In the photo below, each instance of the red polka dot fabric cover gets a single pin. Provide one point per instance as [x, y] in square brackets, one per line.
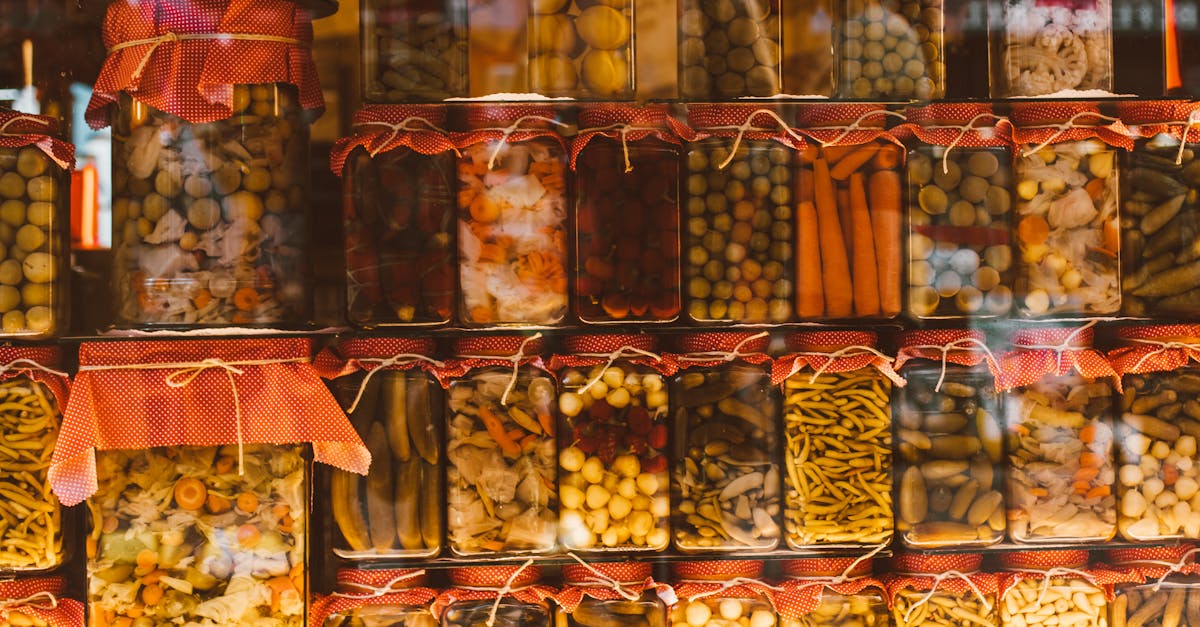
[360, 588]
[1035, 564]
[363, 355]
[523, 123]
[18, 130]
[416, 127]
[194, 78]
[1038, 122]
[710, 579]
[919, 571]
[15, 364]
[493, 350]
[963, 344]
[480, 583]
[594, 350]
[579, 582]
[633, 124]
[809, 580]
[696, 348]
[1148, 562]
[979, 126]
[1147, 118]
[817, 350]
[723, 120]
[43, 599]
[1023, 366]
[830, 123]
[1156, 348]
[196, 404]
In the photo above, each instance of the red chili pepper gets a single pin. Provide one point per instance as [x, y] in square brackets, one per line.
[639, 421]
[636, 444]
[658, 437]
[656, 463]
[607, 450]
[601, 410]
[976, 236]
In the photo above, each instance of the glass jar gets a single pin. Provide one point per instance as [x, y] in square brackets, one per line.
[738, 248]
[599, 604]
[396, 510]
[581, 49]
[959, 216]
[726, 443]
[369, 597]
[525, 606]
[843, 502]
[948, 416]
[500, 449]
[614, 479]
[807, 62]
[1026, 597]
[512, 218]
[627, 217]
[35, 227]
[413, 50]
[398, 205]
[729, 50]
[922, 595]
[831, 580]
[1043, 48]
[705, 600]
[848, 216]
[1160, 187]
[1059, 445]
[496, 38]
[890, 50]
[210, 221]
[177, 534]
[1169, 596]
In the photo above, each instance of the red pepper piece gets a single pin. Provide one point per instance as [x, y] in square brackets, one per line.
[639, 420]
[658, 437]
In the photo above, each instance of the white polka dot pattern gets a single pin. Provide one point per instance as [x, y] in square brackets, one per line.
[410, 592]
[602, 116]
[67, 613]
[523, 588]
[359, 355]
[1104, 578]
[714, 120]
[18, 130]
[1086, 125]
[1025, 365]
[928, 124]
[918, 572]
[580, 581]
[963, 354]
[827, 344]
[371, 132]
[607, 344]
[1177, 346]
[491, 121]
[1147, 118]
[825, 122]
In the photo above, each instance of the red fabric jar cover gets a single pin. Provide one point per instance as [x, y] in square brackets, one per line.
[634, 579]
[848, 124]
[1054, 351]
[378, 353]
[741, 121]
[360, 588]
[136, 395]
[593, 350]
[18, 130]
[482, 583]
[36, 363]
[1065, 564]
[384, 128]
[809, 578]
[1155, 348]
[509, 123]
[833, 351]
[721, 579]
[184, 56]
[708, 349]
[494, 350]
[953, 573]
[965, 124]
[40, 598]
[1057, 122]
[1156, 562]
[625, 123]
[956, 346]
[1147, 118]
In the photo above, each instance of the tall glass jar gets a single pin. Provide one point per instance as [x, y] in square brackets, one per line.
[949, 415]
[413, 50]
[398, 200]
[729, 50]
[506, 596]
[1066, 217]
[512, 217]
[581, 49]
[738, 248]
[386, 596]
[603, 594]
[1058, 411]
[838, 458]
[1164, 595]
[500, 449]
[1043, 48]
[496, 39]
[707, 600]
[627, 172]
[1160, 188]
[34, 226]
[831, 592]
[1044, 583]
[890, 50]
[397, 408]
[725, 488]
[613, 483]
[808, 38]
[959, 212]
[849, 215]
[941, 588]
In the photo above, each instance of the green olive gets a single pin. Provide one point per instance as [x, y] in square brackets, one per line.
[973, 188]
[947, 174]
[962, 213]
[932, 200]
[997, 201]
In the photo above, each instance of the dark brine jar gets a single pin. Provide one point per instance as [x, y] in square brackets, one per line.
[210, 163]
[413, 50]
[366, 597]
[35, 181]
[889, 49]
[512, 217]
[729, 49]
[505, 596]
[581, 48]
[737, 264]
[604, 594]
[626, 163]
[948, 415]
[959, 169]
[1160, 210]
[398, 194]
[1165, 590]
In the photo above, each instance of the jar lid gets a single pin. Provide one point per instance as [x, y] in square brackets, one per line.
[1173, 554]
[499, 345]
[396, 114]
[724, 341]
[829, 340]
[940, 337]
[1044, 560]
[933, 564]
[1042, 338]
[948, 113]
[386, 347]
[818, 115]
[599, 115]
[505, 114]
[609, 342]
[1184, 333]
[1040, 113]
[718, 569]
[827, 567]
[759, 116]
[390, 578]
[495, 576]
[620, 572]
[1156, 111]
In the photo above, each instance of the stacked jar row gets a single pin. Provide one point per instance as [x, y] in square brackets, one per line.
[618, 447]
[888, 50]
[739, 218]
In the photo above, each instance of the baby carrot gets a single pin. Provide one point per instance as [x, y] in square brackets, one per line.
[810, 299]
[866, 283]
[835, 268]
[496, 429]
[843, 205]
[888, 157]
[833, 154]
[883, 188]
[853, 161]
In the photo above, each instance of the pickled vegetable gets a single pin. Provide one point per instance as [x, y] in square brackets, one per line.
[729, 49]
[29, 423]
[1174, 603]
[414, 50]
[508, 614]
[1047, 49]
[891, 50]
[851, 610]
[1075, 602]
[617, 613]
[382, 616]
[723, 612]
[942, 607]
[581, 48]
[33, 246]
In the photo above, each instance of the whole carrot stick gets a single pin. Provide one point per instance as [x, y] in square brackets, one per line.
[884, 190]
[843, 207]
[853, 161]
[835, 268]
[866, 282]
[810, 298]
[804, 185]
